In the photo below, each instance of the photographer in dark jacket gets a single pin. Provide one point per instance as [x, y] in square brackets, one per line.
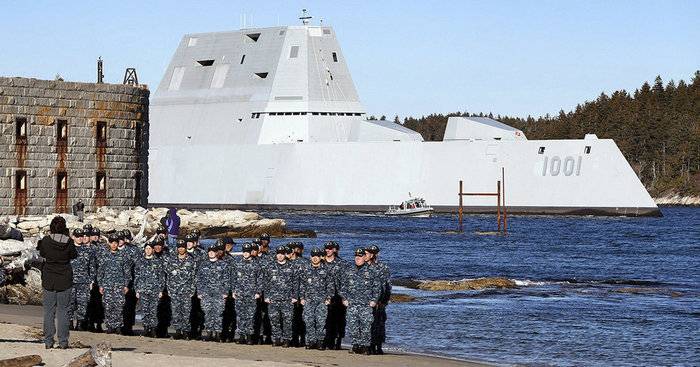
[57, 250]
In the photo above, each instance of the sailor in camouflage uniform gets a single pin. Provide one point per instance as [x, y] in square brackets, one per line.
[148, 284]
[335, 322]
[131, 254]
[383, 276]
[83, 278]
[280, 295]
[196, 312]
[315, 292]
[246, 291]
[360, 291]
[228, 328]
[295, 257]
[113, 278]
[180, 271]
[263, 329]
[212, 290]
[95, 311]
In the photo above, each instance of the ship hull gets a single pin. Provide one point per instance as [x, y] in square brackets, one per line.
[570, 177]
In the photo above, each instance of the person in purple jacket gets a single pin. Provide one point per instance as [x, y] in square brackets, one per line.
[172, 223]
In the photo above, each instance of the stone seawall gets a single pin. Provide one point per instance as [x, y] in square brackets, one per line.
[63, 141]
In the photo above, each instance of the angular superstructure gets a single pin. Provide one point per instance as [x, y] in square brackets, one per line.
[270, 118]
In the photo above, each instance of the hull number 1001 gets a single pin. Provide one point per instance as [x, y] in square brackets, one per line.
[555, 166]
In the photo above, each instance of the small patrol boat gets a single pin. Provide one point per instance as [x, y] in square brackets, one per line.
[413, 207]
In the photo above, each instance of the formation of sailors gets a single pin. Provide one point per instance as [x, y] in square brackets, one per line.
[260, 297]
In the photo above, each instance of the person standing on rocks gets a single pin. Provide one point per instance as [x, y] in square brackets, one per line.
[79, 210]
[113, 278]
[9, 233]
[56, 250]
[83, 279]
[172, 223]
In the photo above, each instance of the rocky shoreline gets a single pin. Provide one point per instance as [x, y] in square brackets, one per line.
[680, 200]
[143, 222]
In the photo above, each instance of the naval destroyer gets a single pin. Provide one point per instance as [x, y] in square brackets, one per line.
[269, 118]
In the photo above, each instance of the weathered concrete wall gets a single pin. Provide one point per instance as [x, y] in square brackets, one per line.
[122, 156]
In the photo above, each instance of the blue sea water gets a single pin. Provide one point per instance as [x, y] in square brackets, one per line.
[595, 291]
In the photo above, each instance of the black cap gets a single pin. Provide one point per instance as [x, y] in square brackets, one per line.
[256, 247]
[191, 237]
[332, 245]
[158, 242]
[78, 232]
[95, 232]
[300, 245]
[213, 248]
[87, 227]
[256, 241]
[149, 244]
[113, 238]
[292, 245]
[372, 249]
[161, 230]
[126, 234]
[282, 250]
[196, 232]
[359, 252]
[181, 243]
[264, 237]
[227, 241]
[316, 252]
[247, 247]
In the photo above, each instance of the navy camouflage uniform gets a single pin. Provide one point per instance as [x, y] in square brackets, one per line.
[383, 276]
[148, 284]
[261, 325]
[131, 254]
[229, 320]
[359, 289]
[315, 288]
[181, 288]
[280, 290]
[335, 322]
[113, 277]
[245, 276]
[212, 289]
[84, 271]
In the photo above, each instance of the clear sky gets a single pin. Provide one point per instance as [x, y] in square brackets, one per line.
[406, 57]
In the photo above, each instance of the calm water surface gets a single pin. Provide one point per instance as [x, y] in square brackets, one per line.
[592, 291]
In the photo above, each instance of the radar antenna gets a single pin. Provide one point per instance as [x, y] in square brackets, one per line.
[305, 17]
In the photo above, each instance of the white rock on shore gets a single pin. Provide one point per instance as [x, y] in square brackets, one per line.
[228, 222]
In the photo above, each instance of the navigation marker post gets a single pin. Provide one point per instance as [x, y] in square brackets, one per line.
[500, 198]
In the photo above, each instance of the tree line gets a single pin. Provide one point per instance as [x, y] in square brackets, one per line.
[657, 128]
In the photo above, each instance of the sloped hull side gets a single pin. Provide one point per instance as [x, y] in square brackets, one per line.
[371, 176]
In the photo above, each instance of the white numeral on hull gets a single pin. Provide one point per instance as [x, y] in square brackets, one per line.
[554, 166]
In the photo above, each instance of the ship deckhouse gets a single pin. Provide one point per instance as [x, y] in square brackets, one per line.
[263, 86]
